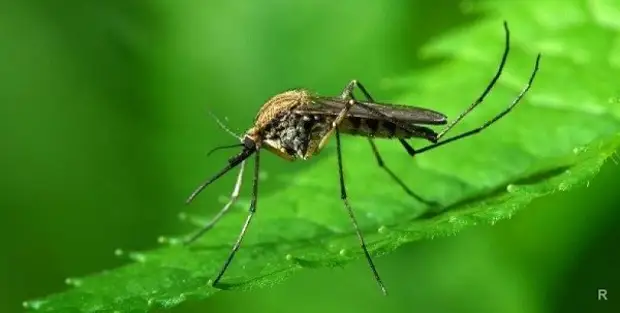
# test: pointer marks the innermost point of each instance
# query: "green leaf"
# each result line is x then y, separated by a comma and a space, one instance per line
557, 138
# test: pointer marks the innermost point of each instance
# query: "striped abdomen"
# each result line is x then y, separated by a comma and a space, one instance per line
383, 129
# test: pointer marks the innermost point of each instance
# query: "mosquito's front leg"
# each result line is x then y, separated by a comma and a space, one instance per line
233, 198
347, 96
358, 231
347, 92
341, 116
251, 211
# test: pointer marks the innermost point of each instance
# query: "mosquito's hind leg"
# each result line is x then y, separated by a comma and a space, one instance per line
488, 88
486, 124
395, 178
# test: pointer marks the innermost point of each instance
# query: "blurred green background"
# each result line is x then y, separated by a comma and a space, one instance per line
104, 132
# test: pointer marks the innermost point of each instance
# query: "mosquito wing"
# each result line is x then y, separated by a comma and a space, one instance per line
371, 110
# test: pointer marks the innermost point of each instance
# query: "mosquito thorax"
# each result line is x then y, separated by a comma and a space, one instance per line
280, 104
295, 135
286, 132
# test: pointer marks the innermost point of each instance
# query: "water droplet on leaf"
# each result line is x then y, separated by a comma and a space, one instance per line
138, 257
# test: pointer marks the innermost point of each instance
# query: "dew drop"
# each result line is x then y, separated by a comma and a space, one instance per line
210, 282
289, 257
182, 216
168, 240
343, 252
35, 304
512, 188
76, 282
382, 230
150, 302
138, 257
119, 252
578, 150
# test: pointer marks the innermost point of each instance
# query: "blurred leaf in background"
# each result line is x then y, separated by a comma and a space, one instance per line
104, 131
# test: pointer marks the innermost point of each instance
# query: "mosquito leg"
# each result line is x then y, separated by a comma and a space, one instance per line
486, 124
487, 89
382, 165
343, 196
347, 93
251, 212
233, 198
341, 116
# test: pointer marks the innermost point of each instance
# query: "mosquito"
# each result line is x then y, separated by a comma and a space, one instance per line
297, 124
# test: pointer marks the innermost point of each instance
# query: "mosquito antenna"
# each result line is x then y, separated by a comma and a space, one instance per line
224, 147
222, 125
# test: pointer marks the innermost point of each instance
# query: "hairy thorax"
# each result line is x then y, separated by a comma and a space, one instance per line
296, 135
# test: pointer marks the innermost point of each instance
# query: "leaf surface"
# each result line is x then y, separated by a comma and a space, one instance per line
558, 137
